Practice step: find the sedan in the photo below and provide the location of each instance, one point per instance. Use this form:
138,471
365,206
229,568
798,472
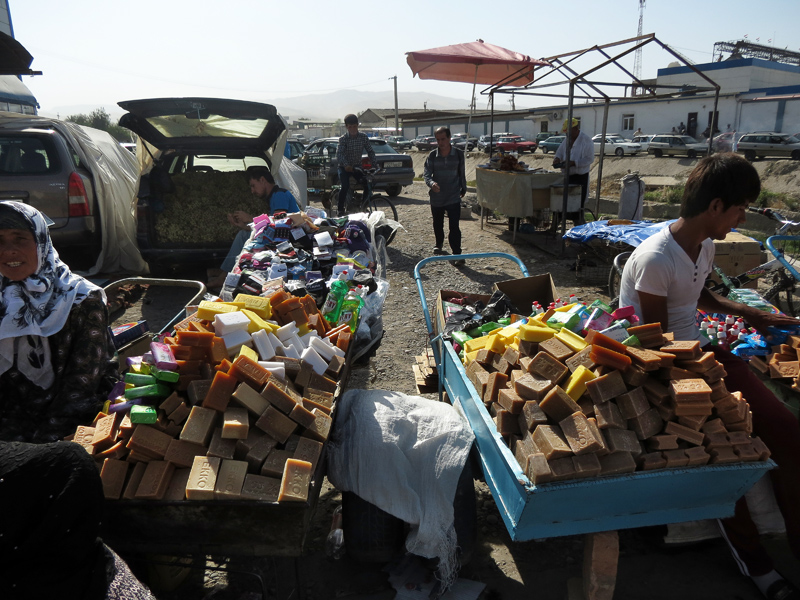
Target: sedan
515,144
399,143
459,140
616,145
551,144
426,143
643,141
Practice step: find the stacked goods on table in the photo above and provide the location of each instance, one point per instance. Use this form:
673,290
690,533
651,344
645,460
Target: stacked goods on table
576,391
236,404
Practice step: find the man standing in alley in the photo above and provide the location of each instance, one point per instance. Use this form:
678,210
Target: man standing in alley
352,145
580,162
445,176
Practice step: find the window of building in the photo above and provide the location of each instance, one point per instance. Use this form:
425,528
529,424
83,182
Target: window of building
627,123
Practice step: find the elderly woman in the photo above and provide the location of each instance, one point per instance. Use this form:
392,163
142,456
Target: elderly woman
57,358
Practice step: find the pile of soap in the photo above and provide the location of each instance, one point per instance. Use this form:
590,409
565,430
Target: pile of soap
781,361
236,404
571,405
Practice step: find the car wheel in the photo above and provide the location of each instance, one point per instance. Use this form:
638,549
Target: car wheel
394,190
750,155
692,154
544,150
796,155
619,152
657,153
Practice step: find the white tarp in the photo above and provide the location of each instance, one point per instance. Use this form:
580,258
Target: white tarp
116,175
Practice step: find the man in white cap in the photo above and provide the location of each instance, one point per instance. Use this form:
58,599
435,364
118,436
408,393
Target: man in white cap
580,161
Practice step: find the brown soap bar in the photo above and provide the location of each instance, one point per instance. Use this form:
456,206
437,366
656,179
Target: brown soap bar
675,458
693,409
702,364
662,442
308,450
760,447
556,348
280,398
693,421
104,432
291,365
718,390
494,384
276,424
617,463
608,416
562,468
320,382
651,461
335,367
684,433
547,367
697,456
134,480
675,373
230,480
199,426
714,426
500,364
181,453
551,441
646,359
319,396
528,348
558,405
684,350
580,436
726,403
224,448
258,487
235,423
716,440
244,446
582,358
532,387
304,376
276,460
635,376
149,440
525,363
656,391
295,481
511,356
646,425
484,357
259,451
178,416
523,448
311,405
176,490
531,416
667,359
723,455
633,403
303,416
666,411
219,394
714,374
598,436
248,371
587,406
511,401
155,480
112,474
622,440
690,390
586,465
321,428
250,399
197,390
538,469
203,478
606,387
507,423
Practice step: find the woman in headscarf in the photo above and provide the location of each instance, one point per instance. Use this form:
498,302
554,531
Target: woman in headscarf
57,357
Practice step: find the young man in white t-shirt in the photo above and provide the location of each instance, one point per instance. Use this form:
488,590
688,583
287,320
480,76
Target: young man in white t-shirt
664,280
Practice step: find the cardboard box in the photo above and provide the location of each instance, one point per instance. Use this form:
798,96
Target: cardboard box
439,319
736,254
522,292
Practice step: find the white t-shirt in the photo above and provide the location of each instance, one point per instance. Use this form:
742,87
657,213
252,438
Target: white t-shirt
581,153
659,266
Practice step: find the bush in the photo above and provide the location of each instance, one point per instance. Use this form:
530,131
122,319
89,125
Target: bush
665,195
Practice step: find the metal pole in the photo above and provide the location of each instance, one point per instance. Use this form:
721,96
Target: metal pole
567,158
713,123
396,112
471,108
602,157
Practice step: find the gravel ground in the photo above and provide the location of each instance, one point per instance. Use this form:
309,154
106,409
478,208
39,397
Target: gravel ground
509,569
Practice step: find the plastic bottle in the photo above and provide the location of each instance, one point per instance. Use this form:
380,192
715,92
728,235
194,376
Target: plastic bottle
722,338
333,303
334,544
351,309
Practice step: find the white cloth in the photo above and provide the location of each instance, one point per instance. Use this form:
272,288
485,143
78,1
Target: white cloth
659,266
38,306
404,454
581,153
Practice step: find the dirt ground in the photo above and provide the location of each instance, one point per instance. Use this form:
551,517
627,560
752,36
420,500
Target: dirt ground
509,569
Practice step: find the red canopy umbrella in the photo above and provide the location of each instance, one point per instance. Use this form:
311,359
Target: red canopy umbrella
474,62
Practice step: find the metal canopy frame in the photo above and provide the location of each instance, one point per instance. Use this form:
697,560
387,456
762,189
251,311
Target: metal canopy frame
599,91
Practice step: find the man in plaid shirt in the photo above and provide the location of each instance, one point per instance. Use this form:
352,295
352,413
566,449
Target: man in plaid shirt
351,146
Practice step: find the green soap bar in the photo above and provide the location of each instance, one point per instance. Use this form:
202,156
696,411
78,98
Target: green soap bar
632,341
164,375
145,415
461,337
156,389
139,379
504,321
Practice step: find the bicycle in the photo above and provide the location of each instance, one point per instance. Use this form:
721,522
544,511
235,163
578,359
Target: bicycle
781,271
366,200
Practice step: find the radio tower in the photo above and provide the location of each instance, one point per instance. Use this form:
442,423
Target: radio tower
637,61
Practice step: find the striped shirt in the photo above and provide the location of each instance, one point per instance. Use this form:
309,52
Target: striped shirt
350,149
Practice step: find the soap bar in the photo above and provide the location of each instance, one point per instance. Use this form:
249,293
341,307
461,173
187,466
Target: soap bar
219,394
156,390
608,416
321,428
510,400
646,359
576,384
279,397
683,350
198,389
586,465
494,384
198,427
663,441
532,387
562,468
303,416
558,405
155,480
556,348
276,424
602,389
112,475
235,423
622,440
149,440
308,450
276,461
531,416
249,398
181,453
633,403
604,356
550,440
258,451
247,370
538,470
690,390
143,414
547,367
693,421
230,480
685,433
135,479
203,478
295,481
651,461
646,425
581,358
258,487
579,434
617,463
163,357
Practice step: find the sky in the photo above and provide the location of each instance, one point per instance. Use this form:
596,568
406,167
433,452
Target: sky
94,53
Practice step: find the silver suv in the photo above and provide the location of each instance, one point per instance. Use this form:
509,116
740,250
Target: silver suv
668,144
763,144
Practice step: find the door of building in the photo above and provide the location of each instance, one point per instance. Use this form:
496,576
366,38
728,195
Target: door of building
691,125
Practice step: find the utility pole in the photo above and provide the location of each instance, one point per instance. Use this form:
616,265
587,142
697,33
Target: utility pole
637,60
396,113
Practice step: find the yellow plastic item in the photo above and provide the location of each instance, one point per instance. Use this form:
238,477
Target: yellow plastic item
475,344
576,384
106,406
249,353
208,310
496,344
258,304
565,308
572,340
257,323
534,333
514,344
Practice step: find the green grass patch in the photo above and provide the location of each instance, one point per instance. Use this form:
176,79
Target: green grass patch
472,183
767,199
665,195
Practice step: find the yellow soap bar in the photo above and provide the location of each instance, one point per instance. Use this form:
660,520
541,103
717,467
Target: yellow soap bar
257,323
514,344
249,353
470,356
208,310
258,304
571,339
576,384
533,333
565,308
495,344
475,344
538,318
238,305
303,329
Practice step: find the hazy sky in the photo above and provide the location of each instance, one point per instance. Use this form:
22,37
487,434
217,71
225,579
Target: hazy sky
94,53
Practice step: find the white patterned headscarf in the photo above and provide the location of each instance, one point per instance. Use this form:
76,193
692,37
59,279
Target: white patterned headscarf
38,306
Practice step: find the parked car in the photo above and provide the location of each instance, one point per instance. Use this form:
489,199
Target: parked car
398,169
761,144
543,135
296,148
552,143
399,143
668,144
459,140
299,137
426,143
198,178
483,141
615,144
515,144
643,141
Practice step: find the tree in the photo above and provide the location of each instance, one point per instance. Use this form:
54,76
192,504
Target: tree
100,119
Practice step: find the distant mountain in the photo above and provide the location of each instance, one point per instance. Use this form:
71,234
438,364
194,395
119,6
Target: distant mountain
335,105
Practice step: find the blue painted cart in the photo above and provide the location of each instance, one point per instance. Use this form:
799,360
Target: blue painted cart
588,505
